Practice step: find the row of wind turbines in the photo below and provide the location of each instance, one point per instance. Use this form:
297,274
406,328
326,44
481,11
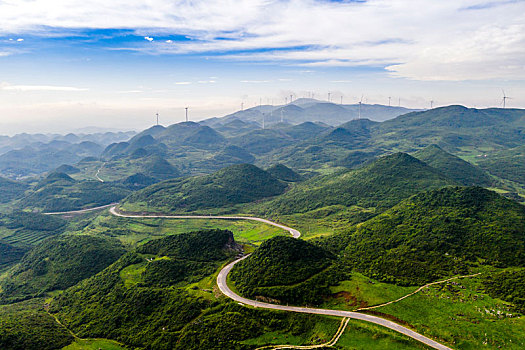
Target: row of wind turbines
502,103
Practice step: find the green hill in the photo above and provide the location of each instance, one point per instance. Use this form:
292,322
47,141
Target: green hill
507,164
282,172
159,168
286,270
233,185
454,167
144,303
380,184
59,192
10,254
436,234
10,190
280,261
455,127
58,263
24,229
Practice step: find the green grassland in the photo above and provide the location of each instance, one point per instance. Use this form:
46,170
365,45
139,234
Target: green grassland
94,344
361,291
136,231
459,313
123,303
361,335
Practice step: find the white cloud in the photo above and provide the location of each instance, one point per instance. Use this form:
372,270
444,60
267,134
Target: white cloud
19,39
9,87
425,40
183,83
255,81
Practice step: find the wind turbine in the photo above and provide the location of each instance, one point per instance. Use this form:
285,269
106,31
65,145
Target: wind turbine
360,102
157,118
505,98
186,108
328,97
431,104
389,99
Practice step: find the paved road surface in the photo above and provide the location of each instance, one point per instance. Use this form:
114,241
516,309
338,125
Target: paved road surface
293,232
81,211
223,286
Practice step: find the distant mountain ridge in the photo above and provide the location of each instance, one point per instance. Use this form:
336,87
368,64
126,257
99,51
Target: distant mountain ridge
311,110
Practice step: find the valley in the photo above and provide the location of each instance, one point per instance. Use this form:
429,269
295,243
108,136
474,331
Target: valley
227,235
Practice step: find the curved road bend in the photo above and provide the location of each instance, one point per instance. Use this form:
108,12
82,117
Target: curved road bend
293,232
81,211
223,286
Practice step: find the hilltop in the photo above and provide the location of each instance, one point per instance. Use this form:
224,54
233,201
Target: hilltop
232,185
380,184
60,192
151,294
58,263
454,167
284,268
11,190
311,110
436,234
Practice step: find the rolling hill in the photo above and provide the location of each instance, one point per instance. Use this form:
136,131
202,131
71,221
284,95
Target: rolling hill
25,229
10,190
380,184
312,110
436,234
60,192
58,263
454,167
233,185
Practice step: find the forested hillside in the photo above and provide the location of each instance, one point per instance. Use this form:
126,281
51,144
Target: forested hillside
58,263
233,185
380,184
59,192
436,234
454,167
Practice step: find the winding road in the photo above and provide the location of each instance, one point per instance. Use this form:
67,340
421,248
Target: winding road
223,286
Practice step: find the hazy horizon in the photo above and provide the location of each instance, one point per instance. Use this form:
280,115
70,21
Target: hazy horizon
86,63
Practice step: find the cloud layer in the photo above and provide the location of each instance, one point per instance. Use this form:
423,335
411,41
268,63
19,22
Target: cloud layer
420,40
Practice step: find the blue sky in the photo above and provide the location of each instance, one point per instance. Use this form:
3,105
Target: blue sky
70,64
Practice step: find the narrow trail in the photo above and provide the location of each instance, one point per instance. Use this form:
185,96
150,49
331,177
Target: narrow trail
332,342
222,278
63,326
417,291
98,172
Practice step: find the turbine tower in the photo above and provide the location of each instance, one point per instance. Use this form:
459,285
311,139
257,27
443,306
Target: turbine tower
157,118
389,99
505,98
328,97
360,102
431,104
186,113
341,99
